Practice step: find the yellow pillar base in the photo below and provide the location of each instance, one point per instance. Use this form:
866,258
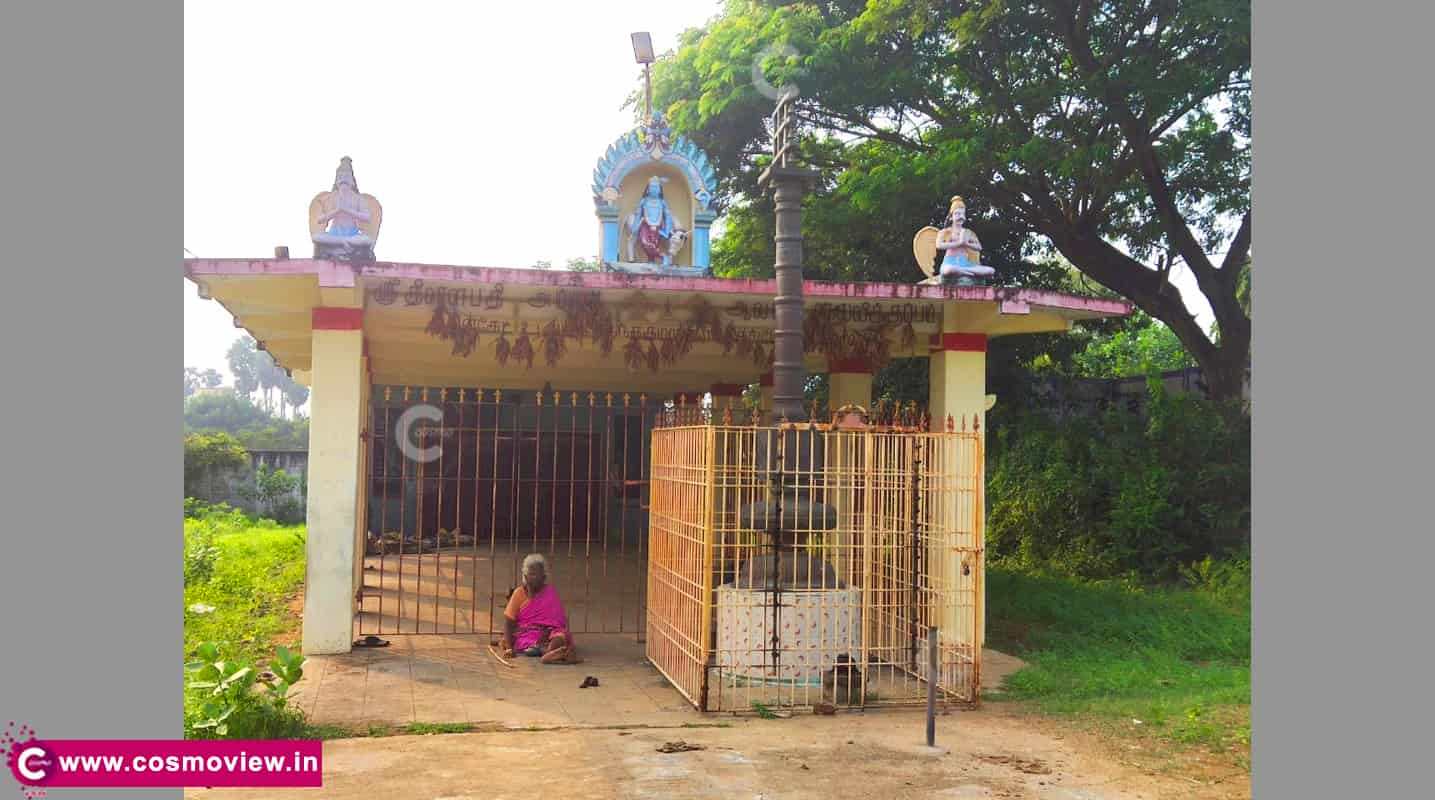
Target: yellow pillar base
849,384
958,380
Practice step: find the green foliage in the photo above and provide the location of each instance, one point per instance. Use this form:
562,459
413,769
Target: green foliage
1120,493
200,555
243,361
218,517
259,566
1042,121
234,700
1142,347
431,728
208,453
195,378
255,370
273,492
1177,660
231,622
1226,581
251,425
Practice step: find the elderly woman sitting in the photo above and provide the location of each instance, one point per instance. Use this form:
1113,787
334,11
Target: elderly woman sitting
534,623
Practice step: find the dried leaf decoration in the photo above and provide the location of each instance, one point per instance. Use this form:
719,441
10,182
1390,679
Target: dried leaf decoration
633,353
523,349
553,344
502,350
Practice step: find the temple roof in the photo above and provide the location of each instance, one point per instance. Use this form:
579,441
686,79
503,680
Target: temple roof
274,300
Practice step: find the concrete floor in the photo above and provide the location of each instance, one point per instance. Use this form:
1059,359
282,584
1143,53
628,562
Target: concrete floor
454,597
453,678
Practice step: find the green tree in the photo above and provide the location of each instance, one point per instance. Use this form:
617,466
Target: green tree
1143,347
243,358
208,453
238,416
196,378
271,381
1114,133
295,394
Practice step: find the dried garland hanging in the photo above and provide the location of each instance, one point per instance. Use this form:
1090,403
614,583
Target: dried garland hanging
825,331
447,325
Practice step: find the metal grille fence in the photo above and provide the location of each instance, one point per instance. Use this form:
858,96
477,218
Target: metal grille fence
905,555
462,483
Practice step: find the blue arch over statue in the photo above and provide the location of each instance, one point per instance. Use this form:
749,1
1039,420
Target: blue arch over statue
653,194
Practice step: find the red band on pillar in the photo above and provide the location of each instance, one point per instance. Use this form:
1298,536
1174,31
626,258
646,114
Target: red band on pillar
962,342
726,389
337,319
766,379
849,366
687,397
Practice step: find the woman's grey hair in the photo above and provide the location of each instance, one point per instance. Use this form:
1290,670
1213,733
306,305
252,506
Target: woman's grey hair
534,558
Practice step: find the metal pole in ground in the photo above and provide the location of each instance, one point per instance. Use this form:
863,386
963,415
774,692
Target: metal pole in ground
932,687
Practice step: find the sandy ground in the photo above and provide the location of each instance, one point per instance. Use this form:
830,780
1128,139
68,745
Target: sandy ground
985,753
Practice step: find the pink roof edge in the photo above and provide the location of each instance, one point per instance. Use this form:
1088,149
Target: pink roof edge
338,274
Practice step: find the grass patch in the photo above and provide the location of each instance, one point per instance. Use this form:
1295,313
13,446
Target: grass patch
241,577
1177,660
328,732
428,728
257,571
763,711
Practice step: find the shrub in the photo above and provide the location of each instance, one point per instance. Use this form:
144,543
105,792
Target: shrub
1227,581
200,554
221,517
208,453
273,495
233,700
1121,494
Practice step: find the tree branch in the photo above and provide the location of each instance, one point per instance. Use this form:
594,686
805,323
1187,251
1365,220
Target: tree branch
1240,248
1145,155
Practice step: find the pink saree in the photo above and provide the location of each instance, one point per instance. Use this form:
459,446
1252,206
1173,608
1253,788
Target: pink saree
543,614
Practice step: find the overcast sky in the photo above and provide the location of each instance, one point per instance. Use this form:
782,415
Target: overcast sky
476,125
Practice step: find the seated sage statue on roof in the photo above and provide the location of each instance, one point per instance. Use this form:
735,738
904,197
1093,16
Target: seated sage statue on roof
960,248
343,223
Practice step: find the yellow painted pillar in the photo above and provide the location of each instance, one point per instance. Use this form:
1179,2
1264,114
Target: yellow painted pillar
958,379
849,382
764,386
957,390
339,384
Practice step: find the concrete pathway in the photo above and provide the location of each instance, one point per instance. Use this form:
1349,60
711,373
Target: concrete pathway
981,754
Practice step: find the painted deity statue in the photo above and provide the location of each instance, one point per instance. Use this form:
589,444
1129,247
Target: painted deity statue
962,251
657,135
343,223
651,226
